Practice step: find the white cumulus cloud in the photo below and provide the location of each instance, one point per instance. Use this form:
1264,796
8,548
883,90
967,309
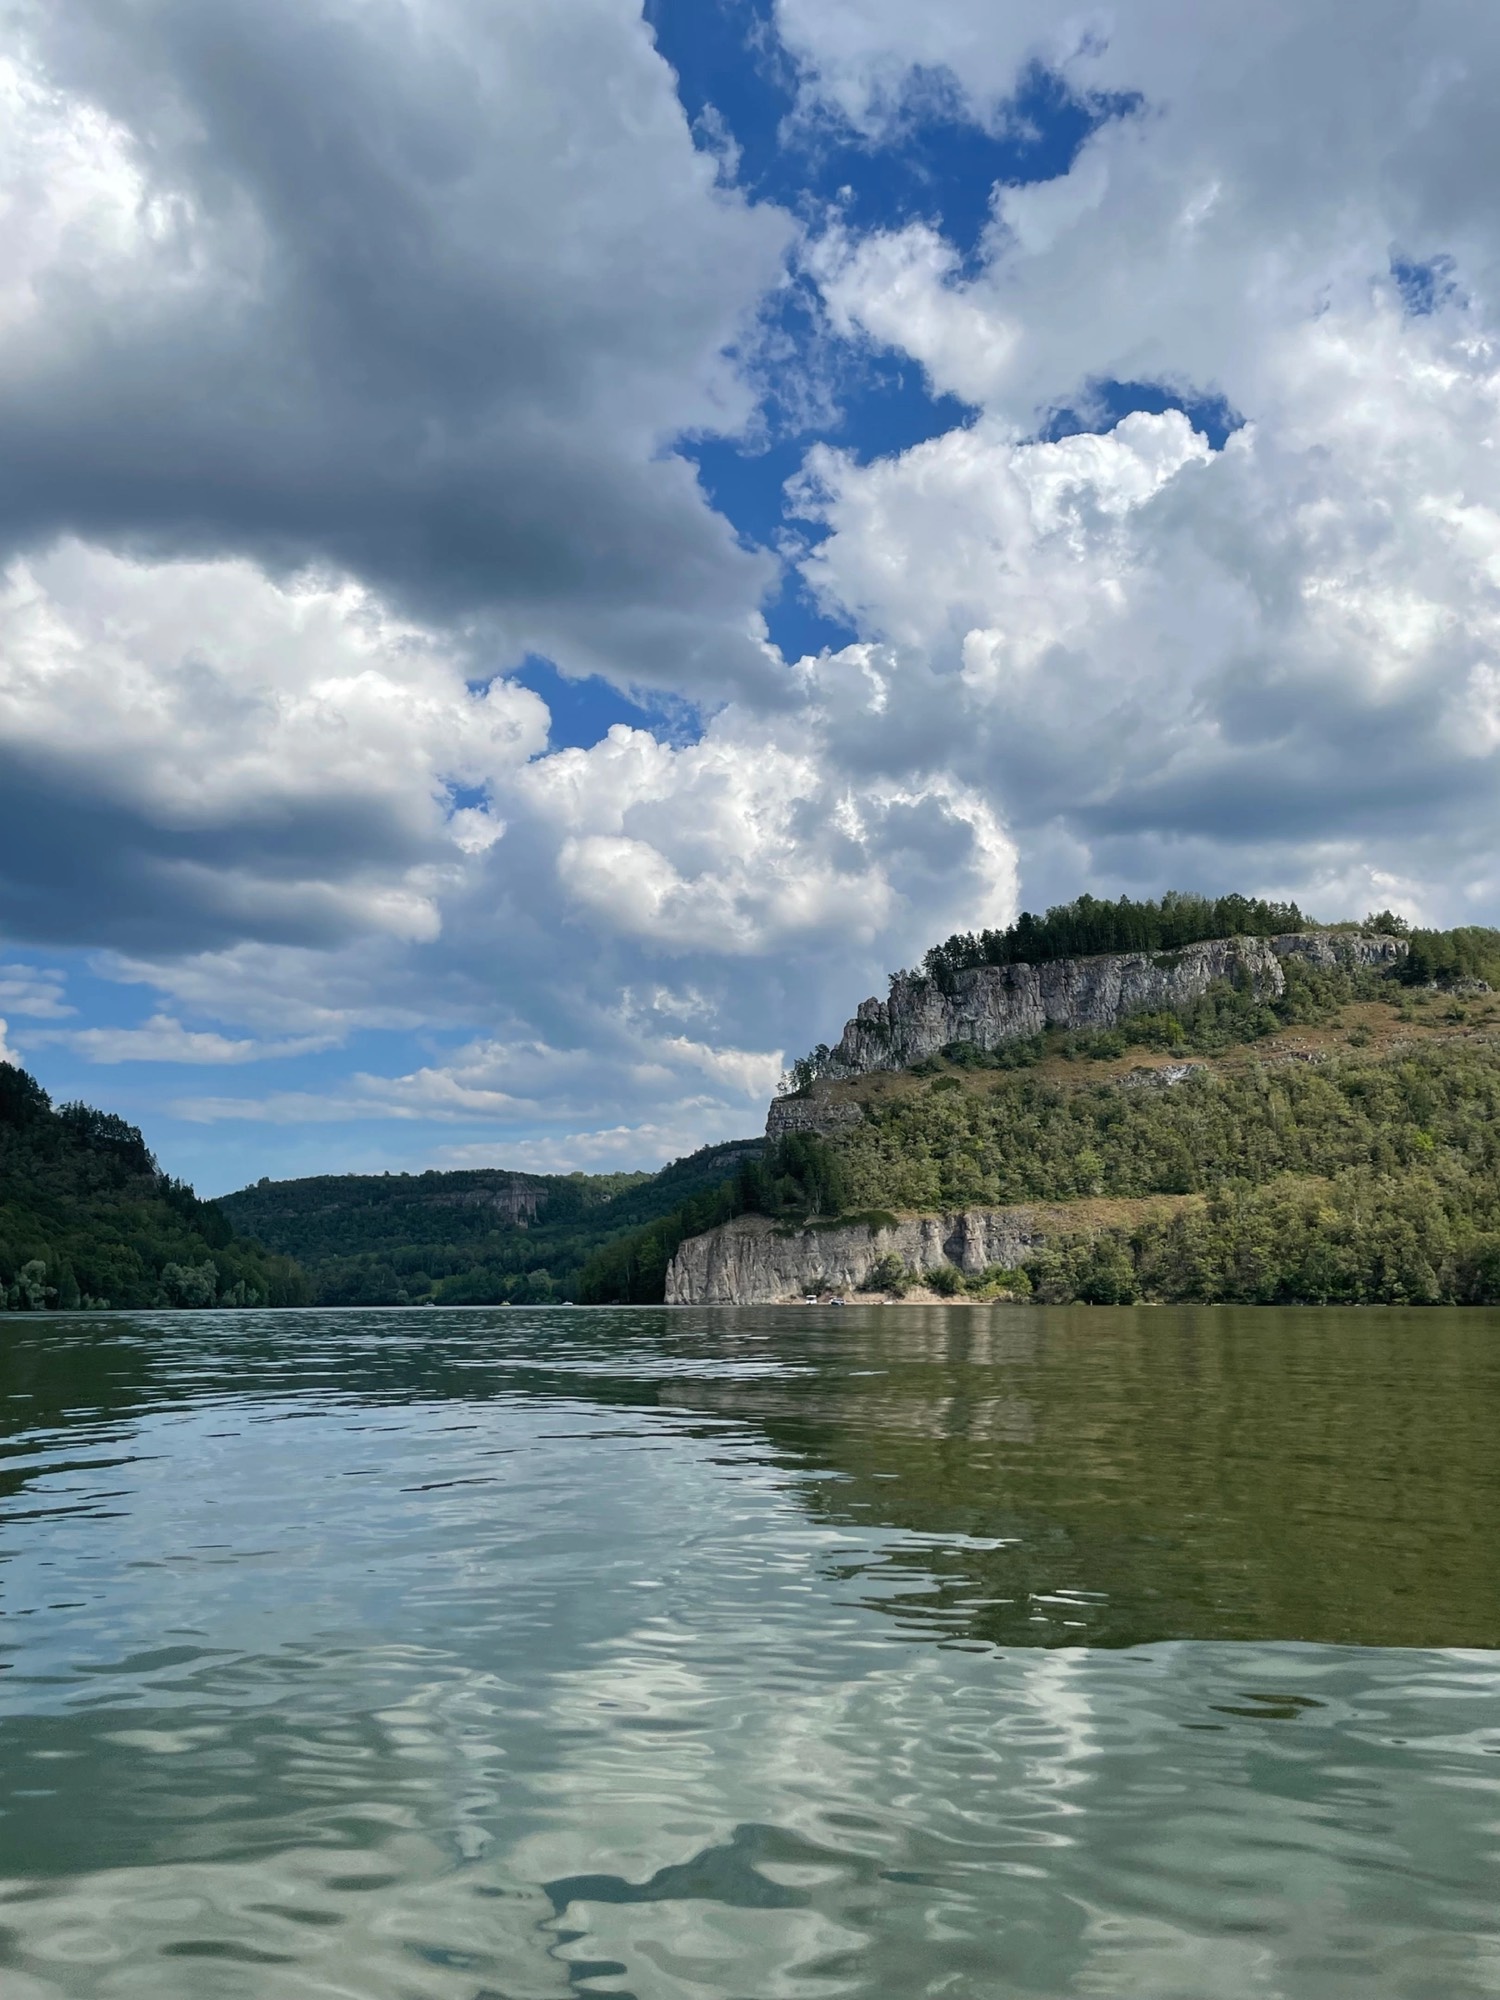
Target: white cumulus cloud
239,753
296,483
1274,663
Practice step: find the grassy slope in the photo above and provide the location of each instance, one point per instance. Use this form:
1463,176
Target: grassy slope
382,1239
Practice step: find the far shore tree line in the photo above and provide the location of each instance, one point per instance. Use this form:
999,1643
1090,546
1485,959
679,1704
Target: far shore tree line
1360,1180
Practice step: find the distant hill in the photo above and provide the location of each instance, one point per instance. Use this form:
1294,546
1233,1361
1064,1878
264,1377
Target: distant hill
1270,1118
87,1218
479,1237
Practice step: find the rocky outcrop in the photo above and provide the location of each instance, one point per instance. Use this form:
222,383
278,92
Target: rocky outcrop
990,1005
514,1198
1347,951
815,1112
1161,1076
753,1261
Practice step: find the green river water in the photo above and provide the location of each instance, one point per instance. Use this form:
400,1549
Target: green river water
747,1654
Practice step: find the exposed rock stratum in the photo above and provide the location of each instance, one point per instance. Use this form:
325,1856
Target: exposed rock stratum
754,1261
990,1005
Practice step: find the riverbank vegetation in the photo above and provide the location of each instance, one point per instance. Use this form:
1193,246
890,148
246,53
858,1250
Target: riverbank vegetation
800,1178
476,1237
1355,1180
1349,1179
87,1218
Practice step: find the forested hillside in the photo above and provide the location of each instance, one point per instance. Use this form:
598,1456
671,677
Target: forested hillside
87,1218
1346,1179
1340,1143
482,1237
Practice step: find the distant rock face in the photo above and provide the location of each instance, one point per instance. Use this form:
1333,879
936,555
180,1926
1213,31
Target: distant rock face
994,1004
514,1198
517,1201
753,1262
810,1114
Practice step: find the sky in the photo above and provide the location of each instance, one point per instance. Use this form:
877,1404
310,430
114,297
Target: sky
546,547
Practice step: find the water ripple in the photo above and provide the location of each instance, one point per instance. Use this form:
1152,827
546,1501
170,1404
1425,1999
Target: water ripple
466,1656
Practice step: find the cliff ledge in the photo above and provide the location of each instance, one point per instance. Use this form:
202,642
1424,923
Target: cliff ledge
990,1005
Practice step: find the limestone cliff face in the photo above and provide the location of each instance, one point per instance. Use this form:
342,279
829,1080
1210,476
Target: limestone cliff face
994,1004
753,1262
819,1114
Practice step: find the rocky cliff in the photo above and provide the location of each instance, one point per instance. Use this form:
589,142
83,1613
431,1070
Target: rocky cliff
753,1261
993,1004
815,1113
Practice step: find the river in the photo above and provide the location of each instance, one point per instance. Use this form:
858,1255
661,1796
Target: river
875,1652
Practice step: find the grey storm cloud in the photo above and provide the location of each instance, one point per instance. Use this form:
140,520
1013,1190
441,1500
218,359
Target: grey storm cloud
424,294
77,866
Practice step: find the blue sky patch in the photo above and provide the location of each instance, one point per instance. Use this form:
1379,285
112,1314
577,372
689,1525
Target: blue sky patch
1103,404
932,162
582,711
739,88
1424,286
885,407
